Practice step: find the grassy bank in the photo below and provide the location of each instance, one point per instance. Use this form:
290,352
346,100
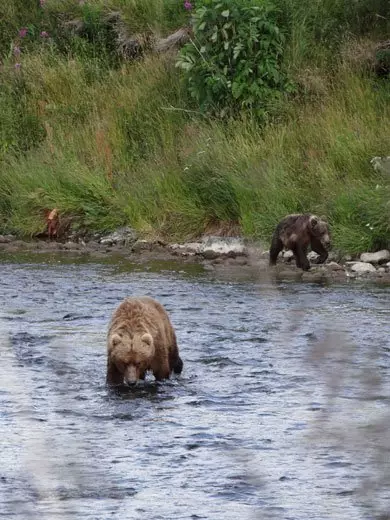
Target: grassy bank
110,141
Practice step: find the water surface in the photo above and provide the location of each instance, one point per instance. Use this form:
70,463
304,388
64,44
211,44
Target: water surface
280,411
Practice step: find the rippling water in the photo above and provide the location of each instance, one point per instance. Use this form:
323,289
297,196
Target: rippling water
280,411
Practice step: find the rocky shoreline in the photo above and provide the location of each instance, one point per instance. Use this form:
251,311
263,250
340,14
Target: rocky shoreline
221,254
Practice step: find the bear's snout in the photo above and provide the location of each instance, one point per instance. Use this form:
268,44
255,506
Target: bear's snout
131,375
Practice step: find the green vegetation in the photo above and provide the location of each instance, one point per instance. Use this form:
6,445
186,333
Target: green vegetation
98,125
234,61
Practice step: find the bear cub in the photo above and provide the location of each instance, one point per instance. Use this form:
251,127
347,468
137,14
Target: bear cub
141,338
297,232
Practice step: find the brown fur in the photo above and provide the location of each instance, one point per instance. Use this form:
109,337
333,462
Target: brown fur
297,232
53,222
141,338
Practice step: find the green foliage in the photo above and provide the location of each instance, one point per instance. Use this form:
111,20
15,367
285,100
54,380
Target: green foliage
15,14
76,191
316,29
110,142
20,127
234,61
213,192
361,217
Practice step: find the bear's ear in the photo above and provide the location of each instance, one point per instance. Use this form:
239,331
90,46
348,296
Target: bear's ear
148,341
313,222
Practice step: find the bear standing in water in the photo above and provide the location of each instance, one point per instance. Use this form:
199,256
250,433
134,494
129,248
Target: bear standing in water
141,338
297,232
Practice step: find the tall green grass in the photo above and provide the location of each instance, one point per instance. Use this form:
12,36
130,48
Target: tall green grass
120,143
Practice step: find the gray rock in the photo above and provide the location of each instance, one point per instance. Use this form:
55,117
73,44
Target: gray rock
210,254
361,267
212,247
187,249
381,270
240,260
141,245
122,236
72,245
312,256
380,257
381,164
4,240
334,266
314,276
287,255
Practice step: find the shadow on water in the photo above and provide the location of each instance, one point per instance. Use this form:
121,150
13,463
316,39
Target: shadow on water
118,262
281,410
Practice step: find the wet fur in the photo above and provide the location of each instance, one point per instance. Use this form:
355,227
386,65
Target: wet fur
298,232
140,332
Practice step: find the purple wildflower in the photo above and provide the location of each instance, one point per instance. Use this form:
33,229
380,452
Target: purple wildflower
187,5
17,51
44,34
42,2
17,66
23,32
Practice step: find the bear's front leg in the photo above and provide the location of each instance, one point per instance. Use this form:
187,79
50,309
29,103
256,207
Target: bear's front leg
318,248
114,377
162,372
301,258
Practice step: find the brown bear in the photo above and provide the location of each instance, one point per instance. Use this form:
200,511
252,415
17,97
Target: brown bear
140,338
297,232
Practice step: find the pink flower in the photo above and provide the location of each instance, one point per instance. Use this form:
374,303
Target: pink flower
23,32
44,34
187,5
17,51
42,2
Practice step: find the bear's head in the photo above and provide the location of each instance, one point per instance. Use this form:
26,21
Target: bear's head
319,229
131,354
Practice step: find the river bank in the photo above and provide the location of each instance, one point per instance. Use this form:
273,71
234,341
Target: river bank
224,255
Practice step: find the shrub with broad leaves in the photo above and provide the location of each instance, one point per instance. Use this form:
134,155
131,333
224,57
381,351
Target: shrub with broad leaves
234,61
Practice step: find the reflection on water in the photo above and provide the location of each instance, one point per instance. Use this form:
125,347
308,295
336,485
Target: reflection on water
279,413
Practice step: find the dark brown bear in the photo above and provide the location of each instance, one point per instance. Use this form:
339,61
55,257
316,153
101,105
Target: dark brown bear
141,338
297,232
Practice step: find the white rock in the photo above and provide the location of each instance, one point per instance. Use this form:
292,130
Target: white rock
312,255
381,164
288,255
187,248
362,267
376,258
227,246
124,235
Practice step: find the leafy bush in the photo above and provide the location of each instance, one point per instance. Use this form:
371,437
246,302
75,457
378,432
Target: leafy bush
234,61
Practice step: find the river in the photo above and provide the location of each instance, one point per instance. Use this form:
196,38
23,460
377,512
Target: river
282,409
